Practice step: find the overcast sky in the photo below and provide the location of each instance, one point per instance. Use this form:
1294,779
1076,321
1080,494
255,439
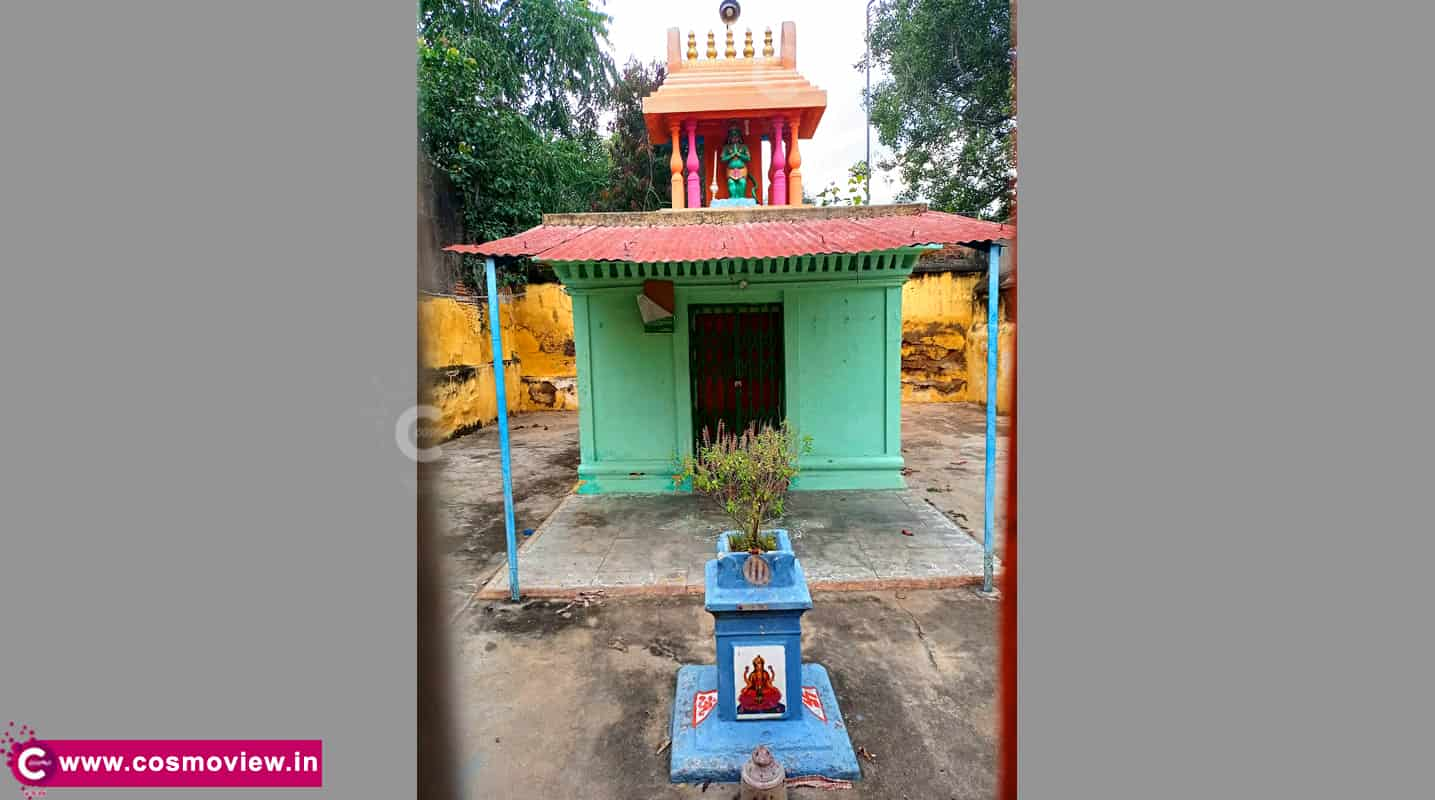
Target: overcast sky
830,40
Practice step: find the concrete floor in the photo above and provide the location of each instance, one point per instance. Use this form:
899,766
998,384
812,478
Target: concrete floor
943,444
469,491
559,701
660,544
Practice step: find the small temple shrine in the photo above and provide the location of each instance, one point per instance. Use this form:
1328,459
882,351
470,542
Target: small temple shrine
722,111
738,304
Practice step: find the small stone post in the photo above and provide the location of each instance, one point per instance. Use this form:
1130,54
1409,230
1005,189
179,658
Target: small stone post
763,777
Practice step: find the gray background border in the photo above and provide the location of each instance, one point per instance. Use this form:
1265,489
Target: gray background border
208,322
1222,380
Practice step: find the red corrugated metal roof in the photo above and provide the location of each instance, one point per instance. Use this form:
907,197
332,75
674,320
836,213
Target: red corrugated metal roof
530,242
747,239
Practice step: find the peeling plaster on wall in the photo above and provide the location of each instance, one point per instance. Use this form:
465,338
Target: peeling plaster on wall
549,394
542,324
466,400
944,333
977,357
456,353
540,370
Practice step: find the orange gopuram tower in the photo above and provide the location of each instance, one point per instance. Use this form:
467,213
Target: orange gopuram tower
736,121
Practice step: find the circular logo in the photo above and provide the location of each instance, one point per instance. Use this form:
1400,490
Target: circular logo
409,418
33,763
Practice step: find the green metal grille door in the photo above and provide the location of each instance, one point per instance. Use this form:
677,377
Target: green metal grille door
737,370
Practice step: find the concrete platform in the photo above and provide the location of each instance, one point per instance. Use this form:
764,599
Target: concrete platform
715,750
660,544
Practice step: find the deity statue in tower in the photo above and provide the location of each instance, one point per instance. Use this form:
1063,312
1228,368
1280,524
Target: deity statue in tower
736,156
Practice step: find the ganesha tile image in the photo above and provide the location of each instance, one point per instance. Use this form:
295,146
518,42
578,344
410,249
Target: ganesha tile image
760,675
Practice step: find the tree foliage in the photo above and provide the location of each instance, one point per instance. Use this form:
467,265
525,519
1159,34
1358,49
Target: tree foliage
946,108
640,178
509,93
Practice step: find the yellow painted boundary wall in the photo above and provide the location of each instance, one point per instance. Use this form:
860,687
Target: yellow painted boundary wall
456,353
944,341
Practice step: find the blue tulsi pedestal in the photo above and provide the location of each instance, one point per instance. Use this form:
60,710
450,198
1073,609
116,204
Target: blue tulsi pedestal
759,692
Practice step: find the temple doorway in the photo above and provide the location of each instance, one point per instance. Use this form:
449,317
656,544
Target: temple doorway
736,366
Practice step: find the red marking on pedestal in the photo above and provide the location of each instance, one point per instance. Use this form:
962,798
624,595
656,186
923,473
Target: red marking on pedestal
703,705
813,701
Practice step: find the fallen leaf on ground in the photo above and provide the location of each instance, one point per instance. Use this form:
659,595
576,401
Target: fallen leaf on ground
585,599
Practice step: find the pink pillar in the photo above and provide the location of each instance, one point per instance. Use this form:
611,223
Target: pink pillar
767,185
695,199
779,166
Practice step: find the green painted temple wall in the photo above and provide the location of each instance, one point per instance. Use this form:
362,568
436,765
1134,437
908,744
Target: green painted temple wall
842,349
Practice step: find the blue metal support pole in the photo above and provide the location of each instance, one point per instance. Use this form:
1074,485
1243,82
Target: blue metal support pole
501,395
989,490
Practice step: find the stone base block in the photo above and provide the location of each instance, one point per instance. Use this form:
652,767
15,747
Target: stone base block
705,748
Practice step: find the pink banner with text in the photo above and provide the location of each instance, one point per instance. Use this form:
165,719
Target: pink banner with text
159,763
